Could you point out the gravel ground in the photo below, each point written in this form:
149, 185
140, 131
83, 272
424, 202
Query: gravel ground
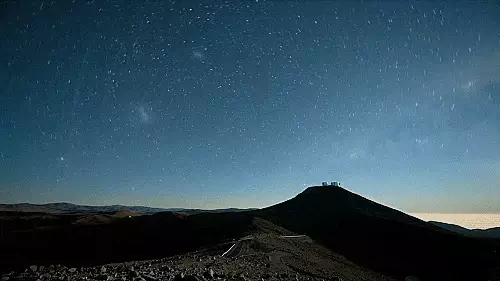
262, 256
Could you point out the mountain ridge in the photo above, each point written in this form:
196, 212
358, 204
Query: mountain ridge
367, 233
65, 207
493, 232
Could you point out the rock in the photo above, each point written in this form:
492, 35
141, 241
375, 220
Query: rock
103, 269
23, 275
209, 274
45, 276
179, 277
5, 278
72, 270
411, 278
133, 273
33, 268
165, 268
241, 277
102, 277
336, 278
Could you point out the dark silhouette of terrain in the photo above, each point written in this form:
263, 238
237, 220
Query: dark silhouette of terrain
270, 253
478, 233
59, 208
382, 238
62, 207
39, 239
367, 233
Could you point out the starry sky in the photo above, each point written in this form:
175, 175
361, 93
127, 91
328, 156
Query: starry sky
214, 104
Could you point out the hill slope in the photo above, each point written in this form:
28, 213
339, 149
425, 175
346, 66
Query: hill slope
364, 232
382, 238
267, 253
76, 239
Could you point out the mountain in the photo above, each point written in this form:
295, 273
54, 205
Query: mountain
363, 232
488, 233
59, 208
55, 208
382, 238
478, 233
452, 227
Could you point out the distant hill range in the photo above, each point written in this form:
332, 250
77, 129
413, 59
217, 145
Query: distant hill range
62, 208
478, 233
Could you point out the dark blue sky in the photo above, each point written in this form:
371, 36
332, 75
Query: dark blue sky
244, 103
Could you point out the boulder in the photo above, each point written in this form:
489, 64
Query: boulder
34, 268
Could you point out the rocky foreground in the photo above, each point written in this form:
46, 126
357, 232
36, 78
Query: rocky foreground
257, 257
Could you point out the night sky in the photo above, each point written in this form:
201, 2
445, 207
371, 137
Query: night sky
213, 104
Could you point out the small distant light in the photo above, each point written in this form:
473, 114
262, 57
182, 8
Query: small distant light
62, 158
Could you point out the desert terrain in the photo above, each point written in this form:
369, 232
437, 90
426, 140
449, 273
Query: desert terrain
324, 233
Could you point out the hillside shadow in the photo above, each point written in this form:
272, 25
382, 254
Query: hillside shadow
383, 239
